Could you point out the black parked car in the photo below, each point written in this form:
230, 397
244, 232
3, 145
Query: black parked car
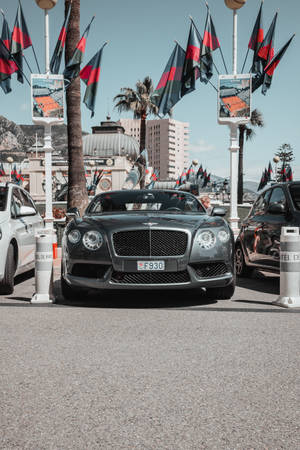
148, 239
258, 243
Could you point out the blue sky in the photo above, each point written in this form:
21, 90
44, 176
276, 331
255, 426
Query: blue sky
141, 38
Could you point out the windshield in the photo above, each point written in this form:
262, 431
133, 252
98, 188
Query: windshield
295, 194
145, 201
3, 198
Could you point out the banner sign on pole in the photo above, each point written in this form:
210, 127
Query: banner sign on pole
47, 99
234, 99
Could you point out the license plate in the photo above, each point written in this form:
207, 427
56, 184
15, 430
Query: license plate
151, 266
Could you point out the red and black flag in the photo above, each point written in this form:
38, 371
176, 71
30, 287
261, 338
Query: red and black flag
283, 173
270, 68
7, 66
59, 48
209, 44
190, 173
153, 179
206, 180
266, 50
2, 171
289, 174
168, 90
14, 174
255, 42
200, 172
90, 74
20, 40
270, 171
183, 177
73, 66
191, 71
177, 182
262, 181
6, 39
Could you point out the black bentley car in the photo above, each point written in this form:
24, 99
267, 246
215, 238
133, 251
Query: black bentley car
258, 243
147, 239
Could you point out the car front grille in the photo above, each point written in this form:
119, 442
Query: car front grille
150, 243
150, 278
210, 270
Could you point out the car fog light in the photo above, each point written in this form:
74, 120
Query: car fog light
206, 239
92, 240
223, 236
74, 236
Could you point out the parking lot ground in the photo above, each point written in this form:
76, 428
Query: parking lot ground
257, 292
143, 371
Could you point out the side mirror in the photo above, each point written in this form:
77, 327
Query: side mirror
26, 211
72, 213
276, 208
218, 211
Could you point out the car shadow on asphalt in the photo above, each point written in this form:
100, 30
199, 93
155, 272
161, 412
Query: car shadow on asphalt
135, 299
268, 284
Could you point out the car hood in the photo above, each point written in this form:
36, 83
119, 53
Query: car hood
111, 223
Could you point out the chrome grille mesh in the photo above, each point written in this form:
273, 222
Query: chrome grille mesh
210, 270
150, 243
150, 277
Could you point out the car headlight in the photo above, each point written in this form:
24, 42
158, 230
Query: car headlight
223, 236
74, 236
206, 239
92, 240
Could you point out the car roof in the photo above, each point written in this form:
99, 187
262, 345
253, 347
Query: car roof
176, 191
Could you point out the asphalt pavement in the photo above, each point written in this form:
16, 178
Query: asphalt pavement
150, 370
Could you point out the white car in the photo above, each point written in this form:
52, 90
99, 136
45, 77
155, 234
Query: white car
19, 222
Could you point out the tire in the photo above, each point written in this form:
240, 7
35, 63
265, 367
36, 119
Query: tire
223, 293
7, 284
242, 270
69, 292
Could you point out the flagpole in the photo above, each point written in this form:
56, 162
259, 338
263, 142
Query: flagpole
245, 60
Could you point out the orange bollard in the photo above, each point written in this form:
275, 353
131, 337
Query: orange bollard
54, 244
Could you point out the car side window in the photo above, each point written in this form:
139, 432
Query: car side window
261, 203
278, 196
17, 202
27, 200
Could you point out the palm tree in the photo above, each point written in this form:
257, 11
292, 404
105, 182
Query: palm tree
139, 102
77, 192
256, 120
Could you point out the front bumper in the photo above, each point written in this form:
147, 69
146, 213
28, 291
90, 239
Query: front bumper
188, 279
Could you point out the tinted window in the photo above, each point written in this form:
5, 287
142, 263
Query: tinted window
17, 202
261, 203
27, 200
3, 198
278, 196
295, 193
145, 201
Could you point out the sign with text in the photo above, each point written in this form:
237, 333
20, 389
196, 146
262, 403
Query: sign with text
234, 98
47, 98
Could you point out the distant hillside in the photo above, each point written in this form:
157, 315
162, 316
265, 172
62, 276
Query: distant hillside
16, 139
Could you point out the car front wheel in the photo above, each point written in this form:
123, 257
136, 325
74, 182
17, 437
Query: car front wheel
242, 270
7, 284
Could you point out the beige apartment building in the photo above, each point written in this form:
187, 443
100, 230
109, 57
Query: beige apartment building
167, 142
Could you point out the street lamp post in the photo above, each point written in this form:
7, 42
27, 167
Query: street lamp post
46, 5
10, 161
234, 143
